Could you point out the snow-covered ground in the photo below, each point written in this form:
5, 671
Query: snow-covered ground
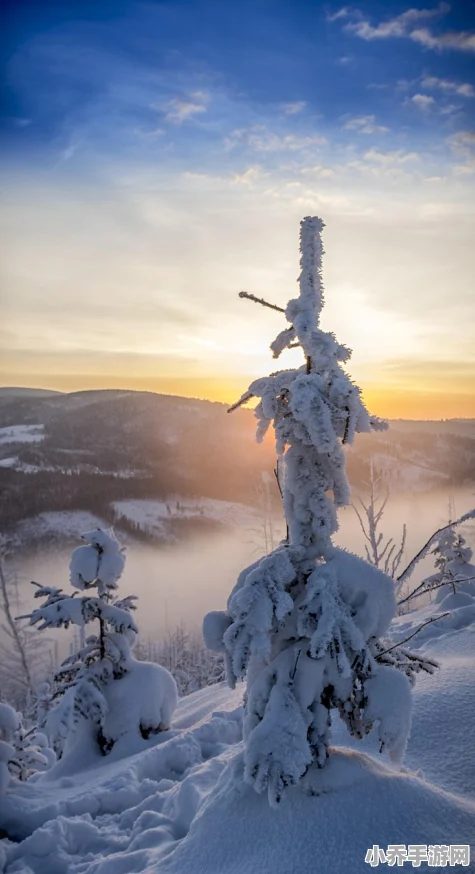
22, 434
67, 524
9, 462
154, 516
180, 806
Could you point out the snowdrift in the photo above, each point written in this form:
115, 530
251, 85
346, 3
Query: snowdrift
360, 803
180, 806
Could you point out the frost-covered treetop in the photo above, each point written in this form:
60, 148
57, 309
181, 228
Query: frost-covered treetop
99, 563
314, 408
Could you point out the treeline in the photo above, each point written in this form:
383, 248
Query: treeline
23, 495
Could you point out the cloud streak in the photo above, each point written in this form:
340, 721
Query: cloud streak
366, 124
260, 139
406, 25
463, 89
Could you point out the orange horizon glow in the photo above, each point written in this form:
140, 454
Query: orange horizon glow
390, 402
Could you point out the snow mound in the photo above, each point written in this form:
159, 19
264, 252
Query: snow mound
330, 831
444, 702
132, 717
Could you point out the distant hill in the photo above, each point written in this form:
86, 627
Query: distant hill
88, 450
464, 427
13, 391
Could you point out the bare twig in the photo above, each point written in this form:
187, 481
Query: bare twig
347, 425
433, 619
425, 549
292, 676
14, 628
276, 474
422, 589
398, 557
264, 303
245, 398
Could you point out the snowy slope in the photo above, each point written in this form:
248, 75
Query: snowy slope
153, 516
65, 524
22, 434
180, 807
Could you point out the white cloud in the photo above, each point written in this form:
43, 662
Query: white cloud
467, 169
294, 108
463, 41
366, 124
390, 158
260, 139
248, 176
448, 109
465, 89
422, 101
398, 26
345, 12
462, 144
318, 170
180, 109
405, 25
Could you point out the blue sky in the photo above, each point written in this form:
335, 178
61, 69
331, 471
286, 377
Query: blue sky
157, 157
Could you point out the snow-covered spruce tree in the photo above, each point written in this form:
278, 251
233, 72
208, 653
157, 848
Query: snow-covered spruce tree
101, 692
455, 574
456, 562
304, 624
22, 752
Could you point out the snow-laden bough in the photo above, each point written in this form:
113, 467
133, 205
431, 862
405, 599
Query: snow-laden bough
305, 624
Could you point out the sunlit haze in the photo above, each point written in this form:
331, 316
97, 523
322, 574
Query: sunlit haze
157, 158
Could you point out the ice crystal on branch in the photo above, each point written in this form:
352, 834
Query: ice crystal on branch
304, 624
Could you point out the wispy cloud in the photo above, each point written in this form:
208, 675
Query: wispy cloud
408, 25
401, 25
386, 158
462, 40
465, 89
67, 153
340, 13
294, 108
248, 177
462, 144
181, 109
318, 170
365, 124
260, 139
